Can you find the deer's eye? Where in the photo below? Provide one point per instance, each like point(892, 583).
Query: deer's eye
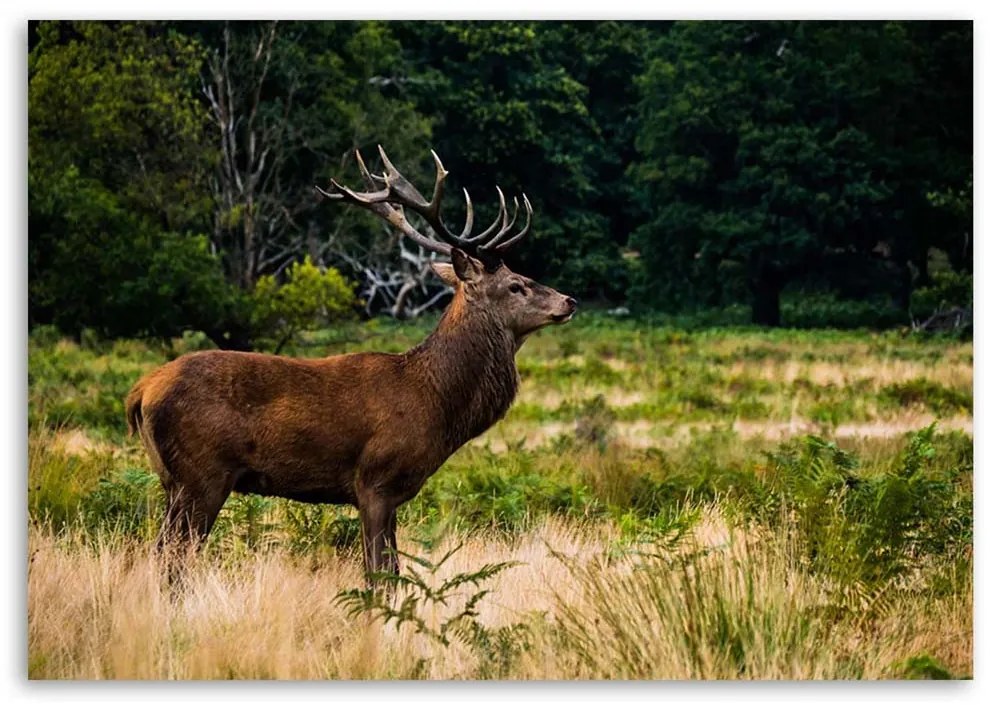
point(516, 288)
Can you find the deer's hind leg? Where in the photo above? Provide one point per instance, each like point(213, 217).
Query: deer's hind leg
point(189, 516)
point(190, 513)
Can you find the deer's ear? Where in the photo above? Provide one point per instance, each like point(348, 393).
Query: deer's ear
point(467, 268)
point(446, 272)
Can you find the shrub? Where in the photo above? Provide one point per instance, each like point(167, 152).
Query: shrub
point(867, 528)
point(948, 290)
point(924, 667)
point(825, 310)
point(126, 503)
point(307, 298)
point(310, 528)
point(443, 611)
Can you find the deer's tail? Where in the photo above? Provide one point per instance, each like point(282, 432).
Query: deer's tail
point(132, 407)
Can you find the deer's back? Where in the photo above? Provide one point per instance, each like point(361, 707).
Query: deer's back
point(292, 427)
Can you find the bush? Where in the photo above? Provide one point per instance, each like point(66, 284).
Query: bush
point(442, 610)
point(96, 264)
point(826, 311)
point(127, 504)
point(924, 667)
point(947, 290)
point(306, 299)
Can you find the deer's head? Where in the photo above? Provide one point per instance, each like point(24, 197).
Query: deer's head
point(477, 273)
point(521, 304)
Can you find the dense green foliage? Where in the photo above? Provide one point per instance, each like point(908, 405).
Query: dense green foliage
point(118, 166)
point(774, 151)
point(672, 166)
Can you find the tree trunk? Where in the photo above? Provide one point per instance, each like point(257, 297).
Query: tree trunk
point(765, 284)
point(230, 338)
point(766, 302)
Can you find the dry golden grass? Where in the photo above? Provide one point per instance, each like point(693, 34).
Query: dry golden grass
point(76, 441)
point(744, 608)
point(97, 610)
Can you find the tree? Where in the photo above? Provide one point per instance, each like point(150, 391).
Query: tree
point(147, 137)
point(289, 103)
point(116, 182)
point(606, 57)
point(773, 145)
point(508, 111)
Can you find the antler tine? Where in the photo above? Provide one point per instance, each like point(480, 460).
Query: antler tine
point(506, 225)
point(398, 193)
point(405, 193)
point(468, 216)
point(363, 198)
point(438, 183)
point(499, 219)
point(379, 201)
point(500, 248)
point(345, 193)
point(328, 195)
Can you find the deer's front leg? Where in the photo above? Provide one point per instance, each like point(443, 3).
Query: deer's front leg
point(376, 515)
point(391, 548)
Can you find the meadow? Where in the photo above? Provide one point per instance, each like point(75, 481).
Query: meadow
point(660, 502)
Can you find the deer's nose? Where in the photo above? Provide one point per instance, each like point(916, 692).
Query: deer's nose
point(572, 302)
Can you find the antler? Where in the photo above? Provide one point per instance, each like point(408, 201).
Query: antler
point(398, 194)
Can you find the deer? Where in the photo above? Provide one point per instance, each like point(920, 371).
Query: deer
point(365, 429)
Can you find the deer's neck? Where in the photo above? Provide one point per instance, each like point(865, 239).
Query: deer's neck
point(469, 363)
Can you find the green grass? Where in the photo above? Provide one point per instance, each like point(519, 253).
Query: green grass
point(875, 521)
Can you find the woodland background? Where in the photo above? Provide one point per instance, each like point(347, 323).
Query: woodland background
point(795, 173)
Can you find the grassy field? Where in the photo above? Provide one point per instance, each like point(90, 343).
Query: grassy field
point(659, 503)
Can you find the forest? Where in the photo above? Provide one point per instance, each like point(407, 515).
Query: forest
point(778, 173)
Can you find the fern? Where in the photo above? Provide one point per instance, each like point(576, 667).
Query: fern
point(459, 594)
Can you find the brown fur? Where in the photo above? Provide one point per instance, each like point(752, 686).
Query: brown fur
point(366, 429)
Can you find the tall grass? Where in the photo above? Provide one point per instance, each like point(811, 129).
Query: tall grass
point(660, 503)
point(743, 609)
point(750, 608)
point(723, 603)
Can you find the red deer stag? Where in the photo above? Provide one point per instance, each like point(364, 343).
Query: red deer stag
point(366, 429)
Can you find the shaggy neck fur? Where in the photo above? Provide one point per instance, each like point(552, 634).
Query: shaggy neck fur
point(470, 365)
